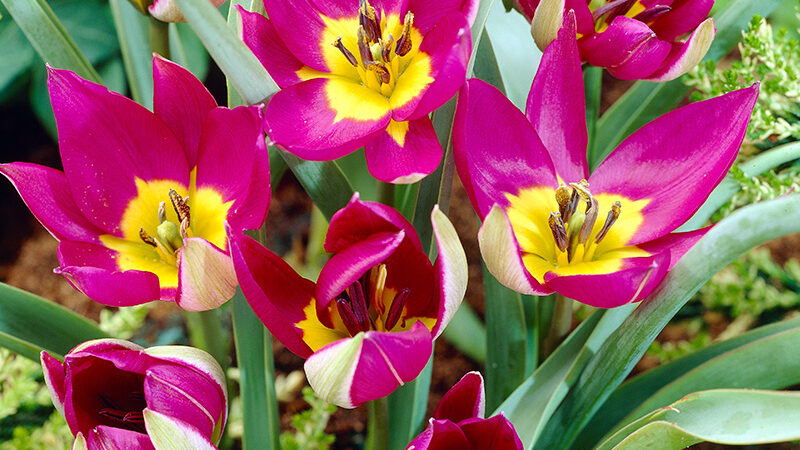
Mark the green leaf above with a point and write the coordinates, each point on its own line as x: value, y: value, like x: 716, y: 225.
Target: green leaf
x: 407, y: 405
x: 506, y: 335
x: 765, y: 161
x: 486, y: 67
x: 646, y: 100
x: 134, y: 41
x: 187, y: 50
x: 324, y: 182
x: 467, y: 333
x: 257, y: 382
x: 48, y: 36
x: 593, y: 87
x: 15, y: 52
x: 240, y: 65
x: 29, y: 322
x: 723, y: 416
x: 88, y: 22
x: 635, y: 391
x: 532, y: 404
x: 730, y: 238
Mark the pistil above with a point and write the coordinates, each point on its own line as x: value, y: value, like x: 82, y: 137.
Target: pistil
x: 169, y: 235
x: 362, y: 308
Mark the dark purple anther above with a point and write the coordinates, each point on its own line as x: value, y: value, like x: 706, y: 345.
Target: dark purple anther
x: 359, y: 304
x: 397, y: 309
x: 347, y: 316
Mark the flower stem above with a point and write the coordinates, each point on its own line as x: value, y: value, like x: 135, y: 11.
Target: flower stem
x: 378, y: 425
x: 560, y: 326
x: 205, y: 333
x: 159, y: 37
x: 385, y: 193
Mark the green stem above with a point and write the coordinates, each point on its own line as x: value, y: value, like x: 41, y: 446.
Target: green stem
x: 560, y: 326
x: 378, y: 425
x: 385, y: 193
x: 593, y: 86
x: 205, y: 333
x: 159, y: 37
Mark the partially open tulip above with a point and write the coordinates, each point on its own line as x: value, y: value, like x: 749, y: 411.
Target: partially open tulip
x: 165, y: 10
x: 633, y: 39
x: 117, y: 395
x: 362, y: 74
x: 139, y: 209
x: 367, y: 325
x: 603, y: 238
x: 458, y: 422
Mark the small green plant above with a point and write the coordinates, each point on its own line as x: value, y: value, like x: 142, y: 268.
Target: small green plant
x: 309, y: 426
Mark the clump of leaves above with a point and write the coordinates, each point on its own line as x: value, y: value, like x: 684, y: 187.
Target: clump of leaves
x: 771, y: 58
x: 669, y: 350
x: 309, y: 425
x: 767, y: 186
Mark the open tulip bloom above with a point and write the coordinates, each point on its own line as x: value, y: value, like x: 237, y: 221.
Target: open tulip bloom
x: 117, y: 395
x: 458, y: 422
x: 367, y: 325
x: 633, y: 39
x: 362, y: 75
x: 548, y: 225
x: 139, y: 210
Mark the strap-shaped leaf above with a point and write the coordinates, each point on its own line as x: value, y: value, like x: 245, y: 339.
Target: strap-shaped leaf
x: 135, y: 47
x: 736, y: 234
x: 723, y: 416
x: 29, y: 324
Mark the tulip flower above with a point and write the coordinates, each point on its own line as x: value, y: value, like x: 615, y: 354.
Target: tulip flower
x: 139, y: 208
x: 357, y: 74
x: 367, y: 325
x: 165, y: 10
x: 548, y: 225
x: 458, y: 422
x: 117, y: 395
x: 633, y: 39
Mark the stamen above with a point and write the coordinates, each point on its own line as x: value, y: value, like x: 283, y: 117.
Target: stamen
x: 386, y: 48
x: 146, y: 238
x: 136, y: 395
x: 113, y: 413
x: 571, y: 207
x: 396, y: 309
x: 652, y: 14
x: 563, y: 195
x: 376, y: 285
x: 559, y: 230
x: 347, y: 316
x: 162, y: 212
x: 134, y: 417
x: 363, y: 46
x: 369, y: 20
x: 588, y: 222
x: 180, y: 204
x: 404, y: 41
x: 381, y: 71
x: 350, y: 57
x: 359, y: 304
x: 612, y: 9
x: 612, y: 217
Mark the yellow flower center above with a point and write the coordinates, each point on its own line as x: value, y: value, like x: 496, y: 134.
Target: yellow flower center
x: 158, y: 218
x: 570, y: 231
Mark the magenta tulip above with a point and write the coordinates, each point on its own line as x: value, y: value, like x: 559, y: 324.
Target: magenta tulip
x: 117, y: 395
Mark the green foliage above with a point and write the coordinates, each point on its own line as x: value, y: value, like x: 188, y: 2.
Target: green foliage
x: 753, y: 285
x: 310, y: 426
x: 670, y: 350
x: 124, y: 322
x: 771, y: 184
x: 773, y: 59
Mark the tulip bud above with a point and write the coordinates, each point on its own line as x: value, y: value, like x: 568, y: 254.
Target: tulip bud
x: 165, y: 10
x: 116, y: 394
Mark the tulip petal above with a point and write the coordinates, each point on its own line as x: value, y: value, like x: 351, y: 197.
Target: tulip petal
x: 451, y: 269
x: 92, y: 270
x: 440, y: 435
x: 465, y: 400
x: 496, y: 149
x: 46, y: 192
x: 106, y: 437
x: 684, y: 56
x: 547, y: 19
x: 496, y: 432
x: 191, y: 357
x: 683, y: 18
x: 277, y: 294
x: 226, y: 150
x: 617, y: 43
x: 359, y: 219
x: 168, y: 433
x: 206, y: 278
x: 106, y: 140
x: 182, y: 102
x: 79, y: 443
x: 446, y: 50
x: 347, y: 266
x: 556, y: 107
x: 428, y: 15
x: 405, y: 152
x: 501, y: 253
x: 322, y: 119
x: 54, y: 379
x: 698, y: 156
x: 677, y: 244
x: 249, y: 213
x: 260, y: 35
x: 368, y: 366
x: 633, y: 282
x: 647, y: 57
x: 301, y: 27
